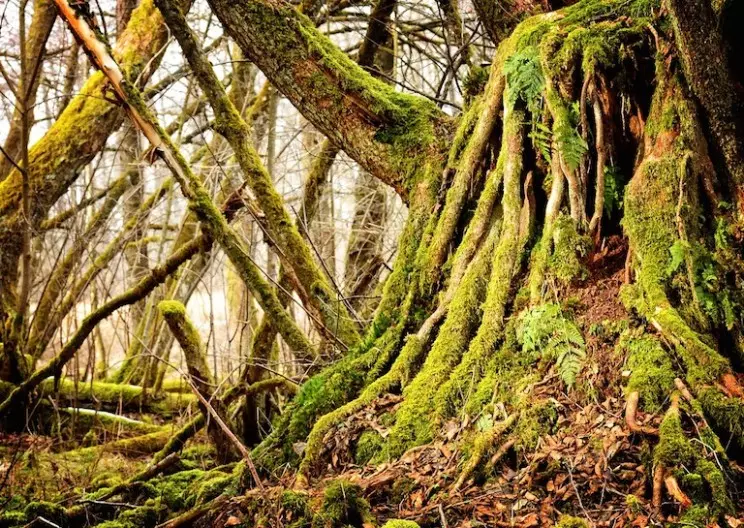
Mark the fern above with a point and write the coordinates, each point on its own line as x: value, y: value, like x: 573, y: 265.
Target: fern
x: 613, y: 190
x: 546, y: 330
x: 525, y: 79
x: 571, y: 145
x: 541, y: 137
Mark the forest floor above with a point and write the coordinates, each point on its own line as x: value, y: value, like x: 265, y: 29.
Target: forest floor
x: 590, y: 467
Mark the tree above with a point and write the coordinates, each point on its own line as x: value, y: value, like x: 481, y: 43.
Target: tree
x: 603, y: 129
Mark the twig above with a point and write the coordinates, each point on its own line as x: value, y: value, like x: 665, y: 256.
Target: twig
x: 221, y: 423
x: 442, y: 517
x: 42, y: 520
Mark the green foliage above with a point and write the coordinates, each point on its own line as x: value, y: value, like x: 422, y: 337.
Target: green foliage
x: 525, y: 79
x: 571, y: 145
x: 613, y: 191
x: 542, y: 137
x: 547, y: 330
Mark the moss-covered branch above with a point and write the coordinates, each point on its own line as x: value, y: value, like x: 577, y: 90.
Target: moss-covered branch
x: 388, y: 133
x: 75, y: 138
x: 317, y: 294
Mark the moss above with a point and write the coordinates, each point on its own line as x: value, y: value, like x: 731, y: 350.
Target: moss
x: 214, y: 486
x: 652, y: 221
x: 651, y: 370
x: 116, y: 396
x: 474, y: 82
x: 49, y: 510
x: 399, y: 523
x: 696, y: 515
x: 720, y: 501
x: 343, y: 505
x: 536, y: 420
x: 413, y: 424
x: 175, y: 490
x: 172, y: 308
x: 674, y: 448
x: 11, y: 519
x: 368, y: 445
x: 321, y: 394
x: 296, y: 503
x: 726, y: 413
x: 633, y: 503
x: 570, y: 248
x: 106, y: 480
x: 509, y: 372
x: 146, y: 516
x: 566, y: 521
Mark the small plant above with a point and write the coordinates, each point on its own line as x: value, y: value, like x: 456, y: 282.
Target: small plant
x: 546, y: 330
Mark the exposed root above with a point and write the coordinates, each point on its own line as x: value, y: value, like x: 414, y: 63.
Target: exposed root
x: 631, y: 409
x: 676, y: 492
x: 481, y: 447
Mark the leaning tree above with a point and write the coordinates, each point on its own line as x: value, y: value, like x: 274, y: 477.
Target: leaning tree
x: 604, y: 120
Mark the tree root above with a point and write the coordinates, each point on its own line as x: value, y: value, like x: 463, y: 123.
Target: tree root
x: 631, y: 409
x: 482, y: 446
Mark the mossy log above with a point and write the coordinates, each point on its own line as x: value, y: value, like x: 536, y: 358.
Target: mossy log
x: 115, y: 397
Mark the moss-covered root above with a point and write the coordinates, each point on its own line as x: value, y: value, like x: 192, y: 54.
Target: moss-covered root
x: 467, y: 372
x: 414, y: 424
x: 657, y: 211
x: 343, y: 505
x: 687, y: 471
x: 483, y: 443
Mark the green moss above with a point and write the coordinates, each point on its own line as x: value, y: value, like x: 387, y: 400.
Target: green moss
x: 474, y: 82
x: 10, y: 519
x: 536, y: 420
x: 172, y: 307
x: 414, y: 423
x: 399, y: 523
x: 296, y: 503
x: 215, y: 486
x: 566, y: 521
x: 146, y: 516
x: 725, y: 414
x: 651, y: 370
x: 720, y: 501
x: 343, y: 505
x: 696, y: 515
x: 570, y: 248
x: 106, y: 480
x: 368, y: 446
x: 633, y: 503
x: 674, y: 448
x: 49, y: 510
x: 175, y: 490
x: 652, y: 219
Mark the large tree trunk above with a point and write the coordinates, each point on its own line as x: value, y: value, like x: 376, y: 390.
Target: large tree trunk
x: 479, y: 339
